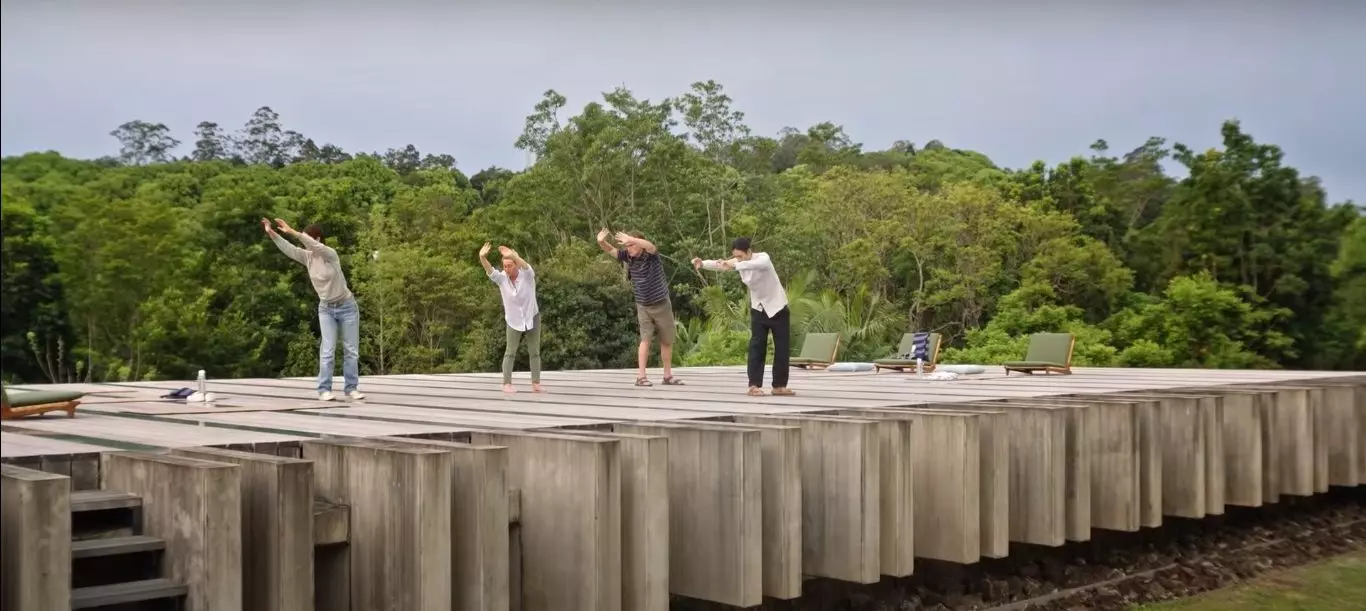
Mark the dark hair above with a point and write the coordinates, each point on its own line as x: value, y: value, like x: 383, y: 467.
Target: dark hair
x: 636, y: 234
x: 740, y: 244
x: 314, y: 231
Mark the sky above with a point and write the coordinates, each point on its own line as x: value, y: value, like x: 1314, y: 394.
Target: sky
x: 1019, y: 80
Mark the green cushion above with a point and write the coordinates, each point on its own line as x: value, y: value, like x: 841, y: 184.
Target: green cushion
x: 895, y: 362
x: 1054, y: 349
x: 41, y: 397
x: 819, y: 347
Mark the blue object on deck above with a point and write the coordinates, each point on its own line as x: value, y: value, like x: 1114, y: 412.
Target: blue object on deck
x: 183, y: 393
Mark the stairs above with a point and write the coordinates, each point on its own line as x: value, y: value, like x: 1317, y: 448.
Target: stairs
x: 114, y: 566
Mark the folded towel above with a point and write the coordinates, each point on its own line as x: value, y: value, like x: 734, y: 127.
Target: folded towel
x: 183, y: 393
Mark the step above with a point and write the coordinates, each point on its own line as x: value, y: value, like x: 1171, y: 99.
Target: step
x: 95, y: 548
x: 99, y: 500
x: 122, y: 593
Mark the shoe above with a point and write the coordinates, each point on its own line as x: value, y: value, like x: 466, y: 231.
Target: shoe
x: 355, y: 395
x: 326, y: 395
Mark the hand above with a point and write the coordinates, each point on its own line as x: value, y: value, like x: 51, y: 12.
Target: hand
x: 623, y: 239
x: 696, y: 263
x: 265, y: 224
x: 727, y: 264
x: 506, y: 252
x: 484, y: 252
x: 284, y: 226
x: 602, y: 235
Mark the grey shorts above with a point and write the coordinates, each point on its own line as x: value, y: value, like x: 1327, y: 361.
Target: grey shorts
x: 656, y: 319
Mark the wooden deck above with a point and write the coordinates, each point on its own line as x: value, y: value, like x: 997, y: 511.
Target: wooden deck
x: 851, y: 479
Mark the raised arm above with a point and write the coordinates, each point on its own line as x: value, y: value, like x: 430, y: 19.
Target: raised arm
x: 484, y: 258
x: 290, y: 250
x: 605, y: 245
x: 516, y: 258
x: 714, y: 265
x: 310, y: 244
x: 644, y: 244
x: 760, y: 260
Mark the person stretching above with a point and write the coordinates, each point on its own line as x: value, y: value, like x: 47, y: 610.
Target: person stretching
x: 337, y: 307
x: 654, y: 310
x: 768, y: 313
x: 517, y: 284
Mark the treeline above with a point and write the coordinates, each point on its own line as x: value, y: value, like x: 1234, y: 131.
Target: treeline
x: 154, y: 265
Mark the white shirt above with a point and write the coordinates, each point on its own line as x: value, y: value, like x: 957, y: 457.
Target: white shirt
x: 519, y: 297
x: 766, y: 292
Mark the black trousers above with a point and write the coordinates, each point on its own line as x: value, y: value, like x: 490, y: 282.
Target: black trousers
x: 760, y: 325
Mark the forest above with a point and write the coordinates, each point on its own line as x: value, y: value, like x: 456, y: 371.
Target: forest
x: 151, y: 264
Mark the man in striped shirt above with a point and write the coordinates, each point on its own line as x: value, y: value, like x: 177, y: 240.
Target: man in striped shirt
x: 654, y: 311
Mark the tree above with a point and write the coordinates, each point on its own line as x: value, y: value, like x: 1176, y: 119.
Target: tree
x: 141, y: 143
x: 211, y: 143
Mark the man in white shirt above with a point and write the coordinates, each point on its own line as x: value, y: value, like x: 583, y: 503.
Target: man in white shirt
x: 768, y: 313
x: 517, y: 284
x: 337, y: 309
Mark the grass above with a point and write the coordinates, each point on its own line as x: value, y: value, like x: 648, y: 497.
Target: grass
x: 1338, y: 584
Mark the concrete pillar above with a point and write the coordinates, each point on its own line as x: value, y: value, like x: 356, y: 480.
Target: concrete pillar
x: 841, y: 495
x: 644, y: 519
x: 399, y: 495
x: 196, y: 506
x: 277, y: 527
x: 781, y: 503
x: 715, y: 489
x: 479, y: 524
x: 35, y: 520
x: 570, y: 497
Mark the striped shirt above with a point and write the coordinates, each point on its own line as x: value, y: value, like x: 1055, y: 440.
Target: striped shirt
x: 647, y: 276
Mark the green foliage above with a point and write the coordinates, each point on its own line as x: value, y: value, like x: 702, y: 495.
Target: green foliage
x: 148, y: 266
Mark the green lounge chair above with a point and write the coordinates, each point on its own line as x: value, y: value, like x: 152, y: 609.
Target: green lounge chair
x: 38, y: 402
x: 818, y: 350
x: 1048, y: 352
x: 906, y: 347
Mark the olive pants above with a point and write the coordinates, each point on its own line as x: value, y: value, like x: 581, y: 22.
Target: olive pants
x: 533, y: 349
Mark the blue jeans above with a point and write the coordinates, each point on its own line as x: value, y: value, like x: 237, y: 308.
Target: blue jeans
x: 345, y: 315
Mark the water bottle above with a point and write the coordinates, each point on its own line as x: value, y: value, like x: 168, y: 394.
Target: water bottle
x: 919, y: 368
x: 201, y: 383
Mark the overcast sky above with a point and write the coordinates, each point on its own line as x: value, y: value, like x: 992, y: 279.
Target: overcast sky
x: 1016, y: 79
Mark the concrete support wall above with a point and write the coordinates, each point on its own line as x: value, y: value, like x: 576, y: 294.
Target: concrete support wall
x: 841, y: 495
x: 399, y: 494
x: 644, y: 520
x: 781, y: 472
x: 479, y: 524
x: 570, y: 518
x: 715, y: 490
x: 1038, y: 471
x: 35, y: 540
x: 897, y: 509
x: 277, y: 527
x: 196, y: 506
x: 947, y: 450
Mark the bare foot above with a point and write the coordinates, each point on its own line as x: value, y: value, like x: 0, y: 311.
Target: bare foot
x: 537, y: 388
x: 783, y: 391
x: 755, y: 391
x: 508, y: 388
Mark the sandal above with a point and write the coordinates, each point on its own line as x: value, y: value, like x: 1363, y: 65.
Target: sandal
x: 672, y: 381
x: 643, y: 382
x: 755, y: 391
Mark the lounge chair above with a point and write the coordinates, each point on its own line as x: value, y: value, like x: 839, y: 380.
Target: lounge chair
x: 35, y: 402
x: 907, y: 346
x: 1048, y: 352
x: 818, y: 350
